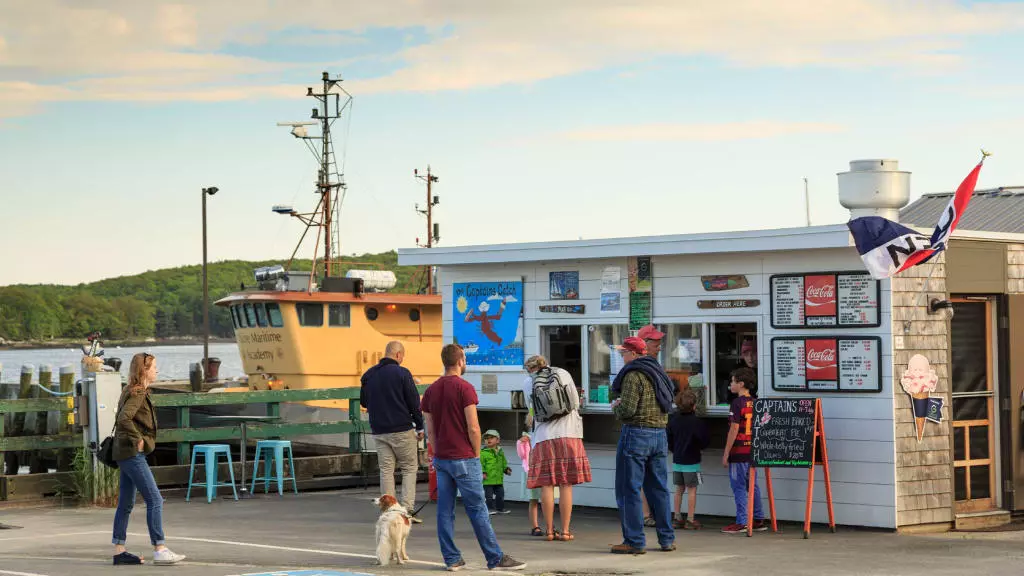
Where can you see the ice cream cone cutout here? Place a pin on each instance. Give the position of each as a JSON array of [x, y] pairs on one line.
[[919, 380]]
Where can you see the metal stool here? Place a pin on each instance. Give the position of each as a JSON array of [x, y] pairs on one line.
[[210, 451], [273, 450]]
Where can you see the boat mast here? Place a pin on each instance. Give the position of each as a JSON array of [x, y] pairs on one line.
[[433, 230], [330, 184]]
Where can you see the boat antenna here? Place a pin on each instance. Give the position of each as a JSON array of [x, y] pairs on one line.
[[332, 101], [433, 228]]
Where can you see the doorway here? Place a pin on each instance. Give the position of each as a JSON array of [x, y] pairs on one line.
[[973, 391], [734, 345], [563, 347]]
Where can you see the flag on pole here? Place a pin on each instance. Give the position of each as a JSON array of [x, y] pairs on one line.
[[888, 248]]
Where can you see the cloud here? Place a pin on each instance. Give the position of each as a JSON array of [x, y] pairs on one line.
[[707, 132], [70, 50]]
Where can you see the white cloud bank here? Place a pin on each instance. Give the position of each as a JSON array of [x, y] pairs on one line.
[[125, 50]]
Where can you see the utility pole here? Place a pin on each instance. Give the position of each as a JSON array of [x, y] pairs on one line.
[[807, 202], [433, 230], [206, 296]]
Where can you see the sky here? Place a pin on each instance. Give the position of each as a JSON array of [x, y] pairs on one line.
[[543, 120]]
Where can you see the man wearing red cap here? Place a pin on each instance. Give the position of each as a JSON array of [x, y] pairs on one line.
[[652, 337], [643, 399]]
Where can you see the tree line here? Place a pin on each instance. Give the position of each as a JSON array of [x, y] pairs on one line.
[[165, 303]]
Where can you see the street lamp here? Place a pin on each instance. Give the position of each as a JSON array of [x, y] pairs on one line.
[[198, 386]]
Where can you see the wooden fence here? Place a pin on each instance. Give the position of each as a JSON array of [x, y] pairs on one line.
[[184, 435]]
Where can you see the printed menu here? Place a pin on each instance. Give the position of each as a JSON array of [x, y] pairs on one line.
[[824, 300], [827, 364]]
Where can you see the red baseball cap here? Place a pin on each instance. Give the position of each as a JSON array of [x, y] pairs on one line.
[[649, 332], [633, 344]]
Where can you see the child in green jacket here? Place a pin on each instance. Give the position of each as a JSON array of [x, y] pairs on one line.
[[495, 467]]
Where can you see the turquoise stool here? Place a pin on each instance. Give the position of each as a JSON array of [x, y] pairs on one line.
[[210, 451], [273, 450]]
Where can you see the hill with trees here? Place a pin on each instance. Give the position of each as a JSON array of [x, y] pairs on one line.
[[163, 304]]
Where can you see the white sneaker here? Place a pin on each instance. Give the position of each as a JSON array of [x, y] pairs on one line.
[[165, 557]]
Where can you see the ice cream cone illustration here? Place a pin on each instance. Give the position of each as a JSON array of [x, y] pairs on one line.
[[919, 381]]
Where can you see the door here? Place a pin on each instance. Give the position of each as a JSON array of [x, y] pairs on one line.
[[974, 470]]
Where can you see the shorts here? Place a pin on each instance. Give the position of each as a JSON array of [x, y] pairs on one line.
[[535, 493], [687, 479]]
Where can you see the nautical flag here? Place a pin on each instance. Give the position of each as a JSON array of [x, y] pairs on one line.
[[888, 248]]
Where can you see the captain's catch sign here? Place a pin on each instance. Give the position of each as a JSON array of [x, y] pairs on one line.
[[487, 322], [783, 432]]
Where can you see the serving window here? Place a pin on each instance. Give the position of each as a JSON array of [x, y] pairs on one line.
[[698, 355]]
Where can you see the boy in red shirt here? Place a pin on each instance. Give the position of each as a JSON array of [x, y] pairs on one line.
[[737, 451]]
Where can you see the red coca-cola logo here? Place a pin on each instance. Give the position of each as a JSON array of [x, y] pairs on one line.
[[821, 356], [820, 295], [821, 360]]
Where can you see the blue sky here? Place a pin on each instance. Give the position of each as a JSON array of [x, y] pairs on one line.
[[544, 121]]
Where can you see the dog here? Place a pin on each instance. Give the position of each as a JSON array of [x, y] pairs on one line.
[[392, 530]]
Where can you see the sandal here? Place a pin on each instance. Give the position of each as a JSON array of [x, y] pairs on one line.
[[650, 522], [536, 531], [566, 537], [550, 536]]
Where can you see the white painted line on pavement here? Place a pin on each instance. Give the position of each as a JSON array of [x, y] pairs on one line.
[[51, 536], [20, 573], [287, 548]]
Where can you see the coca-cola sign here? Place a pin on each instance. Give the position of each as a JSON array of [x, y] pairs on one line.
[[827, 364], [825, 300], [821, 360], [820, 295]]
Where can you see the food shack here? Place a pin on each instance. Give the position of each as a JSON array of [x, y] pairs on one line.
[[797, 305]]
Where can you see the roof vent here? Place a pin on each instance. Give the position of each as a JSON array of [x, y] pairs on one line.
[[874, 188]]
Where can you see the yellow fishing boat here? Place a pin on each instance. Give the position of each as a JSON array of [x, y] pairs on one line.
[[322, 329]]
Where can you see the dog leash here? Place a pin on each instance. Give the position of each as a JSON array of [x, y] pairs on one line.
[[417, 511]]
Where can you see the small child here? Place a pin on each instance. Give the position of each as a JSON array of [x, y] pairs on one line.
[[523, 449], [743, 383], [495, 466], [687, 436]]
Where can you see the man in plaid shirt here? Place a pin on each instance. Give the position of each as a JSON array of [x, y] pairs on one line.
[[641, 459]]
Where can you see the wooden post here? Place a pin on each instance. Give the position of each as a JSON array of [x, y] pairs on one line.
[[184, 448], [67, 385], [37, 458], [14, 459], [355, 443]]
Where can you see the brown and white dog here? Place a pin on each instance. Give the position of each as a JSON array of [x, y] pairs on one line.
[[392, 530]]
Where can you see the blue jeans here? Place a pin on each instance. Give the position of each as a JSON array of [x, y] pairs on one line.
[[739, 479], [641, 461], [135, 474], [465, 476]]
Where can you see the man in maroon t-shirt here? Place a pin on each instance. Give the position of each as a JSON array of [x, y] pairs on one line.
[[449, 411]]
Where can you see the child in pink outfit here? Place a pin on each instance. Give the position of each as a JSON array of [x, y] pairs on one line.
[[523, 450]]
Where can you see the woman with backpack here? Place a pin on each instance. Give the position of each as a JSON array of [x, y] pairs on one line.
[[557, 457]]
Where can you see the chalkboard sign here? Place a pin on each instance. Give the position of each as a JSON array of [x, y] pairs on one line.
[[783, 432]]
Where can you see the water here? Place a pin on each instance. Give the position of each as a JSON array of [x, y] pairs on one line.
[[172, 361]]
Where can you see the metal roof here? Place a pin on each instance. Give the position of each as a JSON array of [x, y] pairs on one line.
[[994, 210], [828, 236]]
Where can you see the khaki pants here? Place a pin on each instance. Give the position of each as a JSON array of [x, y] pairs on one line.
[[398, 448]]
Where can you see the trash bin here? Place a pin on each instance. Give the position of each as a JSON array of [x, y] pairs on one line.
[[213, 369]]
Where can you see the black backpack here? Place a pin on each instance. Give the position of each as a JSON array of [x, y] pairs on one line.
[[550, 398]]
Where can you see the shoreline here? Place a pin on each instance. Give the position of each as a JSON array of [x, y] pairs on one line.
[[127, 343]]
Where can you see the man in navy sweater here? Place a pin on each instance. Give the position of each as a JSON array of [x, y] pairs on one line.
[[389, 394]]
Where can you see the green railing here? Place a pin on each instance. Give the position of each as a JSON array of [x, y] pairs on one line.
[[184, 434]]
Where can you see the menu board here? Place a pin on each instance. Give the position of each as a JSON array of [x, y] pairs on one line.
[[783, 432], [827, 363], [825, 300]]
